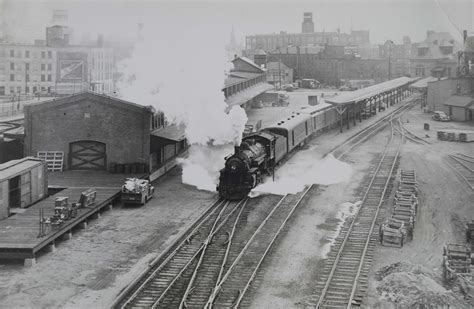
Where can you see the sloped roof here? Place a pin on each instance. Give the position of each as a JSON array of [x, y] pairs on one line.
[[89, 95], [459, 101], [434, 42], [175, 133], [15, 167], [248, 62]]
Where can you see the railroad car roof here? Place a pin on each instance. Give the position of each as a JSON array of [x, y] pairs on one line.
[[368, 92], [291, 121], [311, 110]]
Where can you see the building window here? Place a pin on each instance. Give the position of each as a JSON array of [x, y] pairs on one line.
[[18, 89], [27, 66], [12, 77], [43, 55], [34, 89], [12, 53], [12, 90], [43, 67], [49, 78], [27, 89], [27, 54], [50, 54], [12, 66], [27, 77], [43, 78], [50, 66]]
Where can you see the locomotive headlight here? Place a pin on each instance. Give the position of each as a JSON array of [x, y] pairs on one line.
[[233, 167]]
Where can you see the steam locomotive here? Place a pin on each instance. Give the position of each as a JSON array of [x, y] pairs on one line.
[[259, 153]]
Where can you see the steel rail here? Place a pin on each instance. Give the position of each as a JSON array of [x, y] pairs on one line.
[[214, 206], [157, 301], [457, 171], [348, 233], [372, 129], [413, 136], [460, 161], [226, 255], [203, 252], [354, 287], [237, 259], [465, 157], [249, 282], [380, 121]]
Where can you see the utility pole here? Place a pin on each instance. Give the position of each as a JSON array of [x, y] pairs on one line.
[[279, 67]]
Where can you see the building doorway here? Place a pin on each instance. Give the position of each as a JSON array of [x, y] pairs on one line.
[[14, 197], [87, 155]]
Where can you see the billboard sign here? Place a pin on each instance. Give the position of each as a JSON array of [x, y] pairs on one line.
[[72, 67]]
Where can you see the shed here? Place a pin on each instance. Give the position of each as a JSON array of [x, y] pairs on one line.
[[22, 183], [459, 107]]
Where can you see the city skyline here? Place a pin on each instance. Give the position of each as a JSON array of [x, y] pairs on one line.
[[386, 20]]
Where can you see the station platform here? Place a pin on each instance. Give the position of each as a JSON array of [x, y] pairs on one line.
[[20, 233]]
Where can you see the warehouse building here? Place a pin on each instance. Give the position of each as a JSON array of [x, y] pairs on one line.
[[89, 131]]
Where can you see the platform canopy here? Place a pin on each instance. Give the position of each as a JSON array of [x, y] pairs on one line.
[[423, 83], [248, 94], [171, 132], [352, 97]]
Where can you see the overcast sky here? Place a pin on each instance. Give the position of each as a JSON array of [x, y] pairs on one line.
[[386, 19]]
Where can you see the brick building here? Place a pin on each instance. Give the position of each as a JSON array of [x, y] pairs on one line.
[[308, 37], [95, 130], [330, 64], [399, 56], [435, 56], [54, 66]]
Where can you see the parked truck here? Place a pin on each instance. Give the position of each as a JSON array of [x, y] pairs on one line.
[[136, 191]]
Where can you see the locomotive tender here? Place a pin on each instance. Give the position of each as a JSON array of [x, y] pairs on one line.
[[259, 153]]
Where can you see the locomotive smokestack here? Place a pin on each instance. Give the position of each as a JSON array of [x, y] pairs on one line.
[[236, 149]]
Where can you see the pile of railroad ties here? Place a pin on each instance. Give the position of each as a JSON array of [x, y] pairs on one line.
[[395, 230]]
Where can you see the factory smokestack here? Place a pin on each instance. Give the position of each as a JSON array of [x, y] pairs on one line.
[[236, 149]]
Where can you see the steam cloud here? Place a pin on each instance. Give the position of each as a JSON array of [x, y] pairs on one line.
[[179, 67], [303, 169]]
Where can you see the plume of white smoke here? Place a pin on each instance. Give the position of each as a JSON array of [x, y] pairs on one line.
[[178, 66], [303, 169]]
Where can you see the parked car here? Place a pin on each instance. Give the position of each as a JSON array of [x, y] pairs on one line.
[[440, 116], [288, 87]]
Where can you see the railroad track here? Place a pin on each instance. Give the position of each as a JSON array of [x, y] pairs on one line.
[[369, 131], [216, 263], [218, 266], [343, 282], [463, 165], [164, 269]]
